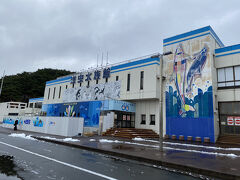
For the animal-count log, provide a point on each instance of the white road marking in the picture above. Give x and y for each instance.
(60, 162)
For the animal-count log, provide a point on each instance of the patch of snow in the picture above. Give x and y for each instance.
(109, 141)
(147, 140)
(70, 139)
(22, 135)
(47, 137)
(92, 140)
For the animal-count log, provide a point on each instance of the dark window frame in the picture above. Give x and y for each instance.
(128, 81)
(59, 95)
(143, 119)
(49, 93)
(152, 120)
(234, 81)
(141, 80)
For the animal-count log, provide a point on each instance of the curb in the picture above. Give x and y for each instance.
(180, 167)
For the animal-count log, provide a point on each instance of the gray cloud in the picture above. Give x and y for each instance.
(68, 34)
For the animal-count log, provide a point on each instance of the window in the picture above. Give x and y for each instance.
(31, 105)
(117, 77)
(128, 82)
(97, 81)
(228, 77)
(38, 105)
(152, 119)
(80, 84)
(141, 79)
(54, 92)
(48, 93)
(143, 119)
(66, 86)
(88, 83)
(106, 80)
(59, 95)
(73, 85)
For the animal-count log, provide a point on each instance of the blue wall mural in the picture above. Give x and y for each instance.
(189, 101)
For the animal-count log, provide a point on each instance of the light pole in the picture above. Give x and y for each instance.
(161, 78)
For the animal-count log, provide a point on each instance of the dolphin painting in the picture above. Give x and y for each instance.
(179, 76)
(195, 70)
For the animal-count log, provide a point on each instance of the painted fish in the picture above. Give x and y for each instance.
(196, 69)
(179, 76)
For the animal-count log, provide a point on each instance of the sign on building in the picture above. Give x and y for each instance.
(237, 121)
(230, 121)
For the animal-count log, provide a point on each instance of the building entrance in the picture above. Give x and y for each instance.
(124, 120)
(229, 114)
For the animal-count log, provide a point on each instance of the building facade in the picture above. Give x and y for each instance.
(187, 91)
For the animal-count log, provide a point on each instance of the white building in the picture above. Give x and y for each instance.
(194, 91)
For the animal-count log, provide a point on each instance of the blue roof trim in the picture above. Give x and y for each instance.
(135, 67)
(227, 54)
(134, 63)
(191, 33)
(228, 48)
(58, 80)
(187, 39)
(36, 99)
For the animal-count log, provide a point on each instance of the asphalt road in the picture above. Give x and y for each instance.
(27, 159)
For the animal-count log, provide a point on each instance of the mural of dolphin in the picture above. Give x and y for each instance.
(196, 69)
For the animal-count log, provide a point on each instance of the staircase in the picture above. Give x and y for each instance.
(229, 139)
(131, 133)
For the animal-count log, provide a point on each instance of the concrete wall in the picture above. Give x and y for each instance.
(64, 126)
(147, 107)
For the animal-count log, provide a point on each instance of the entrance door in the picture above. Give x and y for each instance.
(229, 114)
(124, 120)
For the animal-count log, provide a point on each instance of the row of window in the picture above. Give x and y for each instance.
(88, 84)
(141, 80)
(152, 119)
(228, 77)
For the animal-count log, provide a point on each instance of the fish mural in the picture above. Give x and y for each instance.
(196, 68)
(179, 76)
(182, 79)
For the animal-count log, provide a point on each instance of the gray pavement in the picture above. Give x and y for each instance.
(219, 161)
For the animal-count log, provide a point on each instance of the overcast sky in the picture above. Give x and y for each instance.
(68, 34)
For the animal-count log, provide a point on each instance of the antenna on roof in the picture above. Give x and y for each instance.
(107, 59)
(2, 82)
(102, 59)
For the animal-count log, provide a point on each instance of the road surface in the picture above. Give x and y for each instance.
(32, 159)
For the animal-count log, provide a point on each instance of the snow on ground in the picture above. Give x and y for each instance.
(22, 135)
(70, 139)
(231, 155)
(188, 145)
(92, 140)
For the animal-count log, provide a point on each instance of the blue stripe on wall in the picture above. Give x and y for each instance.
(134, 63)
(58, 83)
(36, 99)
(186, 39)
(57, 80)
(228, 48)
(228, 54)
(135, 67)
(191, 33)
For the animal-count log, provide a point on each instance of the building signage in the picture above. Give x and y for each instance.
(89, 76)
(230, 121)
(237, 121)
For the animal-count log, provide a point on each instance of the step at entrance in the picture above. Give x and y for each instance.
(131, 133)
(229, 139)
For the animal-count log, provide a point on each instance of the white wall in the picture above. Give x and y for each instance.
(63, 126)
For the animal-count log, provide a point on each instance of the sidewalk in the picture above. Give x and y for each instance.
(210, 160)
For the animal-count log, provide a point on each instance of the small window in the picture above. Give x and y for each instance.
(60, 114)
(143, 119)
(48, 93)
(128, 82)
(152, 119)
(97, 81)
(117, 77)
(66, 86)
(73, 85)
(141, 80)
(59, 95)
(31, 105)
(54, 92)
(106, 80)
(88, 83)
(78, 114)
(80, 84)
